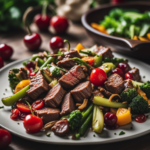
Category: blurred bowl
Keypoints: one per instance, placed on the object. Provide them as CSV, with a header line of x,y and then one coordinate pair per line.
x,y
134,48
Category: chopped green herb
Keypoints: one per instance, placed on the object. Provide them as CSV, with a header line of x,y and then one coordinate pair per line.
x,y
115,133
18,123
1,107
5,89
48,134
143,76
122,133
94,135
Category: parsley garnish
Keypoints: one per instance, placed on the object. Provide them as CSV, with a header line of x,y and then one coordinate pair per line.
x,y
122,133
48,134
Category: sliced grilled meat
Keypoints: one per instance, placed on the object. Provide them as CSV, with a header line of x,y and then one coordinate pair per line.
x,y
96,93
105,52
77,72
104,92
38,85
66,63
82,91
67,105
23,73
68,81
72,53
114,84
135,73
128,84
54,96
61,127
48,114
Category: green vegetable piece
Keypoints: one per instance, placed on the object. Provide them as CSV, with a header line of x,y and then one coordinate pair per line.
x,y
144,29
14,98
145,87
87,52
105,102
77,136
48,61
34,57
25,62
107,67
136,84
128,95
97,61
139,105
122,133
98,119
53,83
40,62
47,77
65,117
132,29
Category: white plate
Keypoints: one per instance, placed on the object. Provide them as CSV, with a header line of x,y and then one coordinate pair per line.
x,y
106,136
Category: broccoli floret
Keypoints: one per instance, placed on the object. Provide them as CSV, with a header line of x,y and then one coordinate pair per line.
x,y
146,88
128,95
75,119
139,105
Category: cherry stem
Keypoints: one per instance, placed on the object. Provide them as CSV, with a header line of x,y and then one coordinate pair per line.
x,y
29,31
45,4
66,41
30,107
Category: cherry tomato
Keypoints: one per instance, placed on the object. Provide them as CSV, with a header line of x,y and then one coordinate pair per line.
x,y
140,118
42,21
23,107
56,43
32,123
32,74
60,24
5,138
128,75
5,51
118,71
14,114
124,67
38,104
98,77
30,64
110,119
1,62
22,115
32,41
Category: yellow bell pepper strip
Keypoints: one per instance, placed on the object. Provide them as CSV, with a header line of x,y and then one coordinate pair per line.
x,y
123,116
105,102
143,38
9,101
148,35
135,38
98,119
21,85
99,27
79,47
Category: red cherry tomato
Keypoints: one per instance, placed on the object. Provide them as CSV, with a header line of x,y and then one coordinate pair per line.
x,y
1,62
110,119
118,71
128,75
23,107
42,21
32,123
5,138
30,65
32,41
38,104
22,115
98,77
140,118
60,24
56,43
5,51
124,67
14,114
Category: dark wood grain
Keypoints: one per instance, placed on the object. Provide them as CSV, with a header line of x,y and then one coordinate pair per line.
x,y
75,35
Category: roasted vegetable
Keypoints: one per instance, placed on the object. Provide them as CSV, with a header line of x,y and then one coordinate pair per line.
x,y
98,119
139,105
146,88
105,102
128,95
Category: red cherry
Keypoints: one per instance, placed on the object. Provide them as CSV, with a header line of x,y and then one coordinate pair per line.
x,y
118,1
110,119
5,51
118,71
30,64
42,21
1,62
60,24
128,75
56,43
32,41
124,67
140,118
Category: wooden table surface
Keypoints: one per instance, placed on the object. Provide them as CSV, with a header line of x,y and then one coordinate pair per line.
x,y
75,35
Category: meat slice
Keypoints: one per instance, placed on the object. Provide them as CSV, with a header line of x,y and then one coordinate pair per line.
x,y
38,85
96,93
72,53
68,81
128,84
61,127
82,91
66,63
104,51
23,73
115,84
54,96
104,92
135,73
67,105
48,114
77,71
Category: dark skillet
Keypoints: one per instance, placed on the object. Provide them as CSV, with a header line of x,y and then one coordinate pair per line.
x,y
137,49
